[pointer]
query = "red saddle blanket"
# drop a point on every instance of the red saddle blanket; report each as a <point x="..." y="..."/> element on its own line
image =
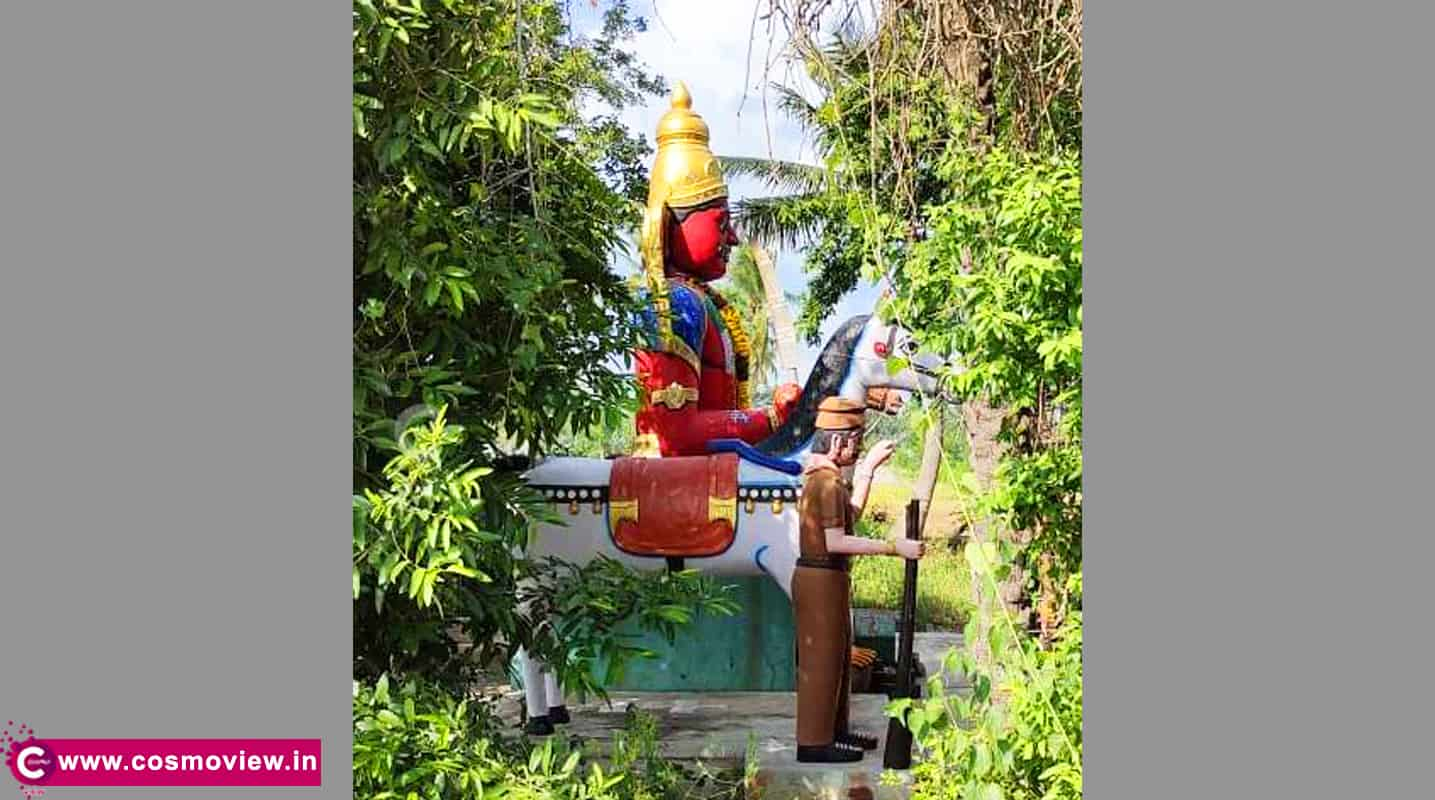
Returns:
<point x="676" y="506"/>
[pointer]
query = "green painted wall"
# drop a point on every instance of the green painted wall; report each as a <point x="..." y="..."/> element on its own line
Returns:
<point x="750" y="651"/>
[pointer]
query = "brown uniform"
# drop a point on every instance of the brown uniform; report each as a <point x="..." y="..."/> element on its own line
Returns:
<point x="821" y="599"/>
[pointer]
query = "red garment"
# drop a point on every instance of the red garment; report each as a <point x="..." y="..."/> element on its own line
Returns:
<point x="674" y="506"/>
<point x="689" y="394"/>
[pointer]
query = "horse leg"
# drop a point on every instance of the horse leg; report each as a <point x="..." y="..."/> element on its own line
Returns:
<point x="557" y="714"/>
<point x="535" y="695"/>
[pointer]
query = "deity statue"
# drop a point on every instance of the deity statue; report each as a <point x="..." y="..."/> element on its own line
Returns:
<point x="693" y="372"/>
<point x="733" y="512"/>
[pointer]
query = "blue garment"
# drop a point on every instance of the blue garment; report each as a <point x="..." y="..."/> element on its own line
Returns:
<point x="689" y="316"/>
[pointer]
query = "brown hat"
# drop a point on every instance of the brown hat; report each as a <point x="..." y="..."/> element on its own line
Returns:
<point x="839" y="414"/>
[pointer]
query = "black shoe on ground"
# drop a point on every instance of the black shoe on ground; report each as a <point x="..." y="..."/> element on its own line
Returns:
<point x="558" y="715"/>
<point x="538" y="726"/>
<point x="828" y="754"/>
<point x="855" y="739"/>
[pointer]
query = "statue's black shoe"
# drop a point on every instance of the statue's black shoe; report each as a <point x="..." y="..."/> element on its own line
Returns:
<point x="538" y="726"/>
<point x="855" y="739"/>
<point x="828" y="754"/>
<point x="558" y="715"/>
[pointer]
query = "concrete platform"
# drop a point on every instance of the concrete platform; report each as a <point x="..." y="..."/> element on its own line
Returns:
<point x="726" y="729"/>
<point x="754" y="731"/>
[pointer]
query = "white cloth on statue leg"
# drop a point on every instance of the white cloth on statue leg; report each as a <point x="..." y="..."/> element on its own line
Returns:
<point x="533" y="688"/>
<point x="550" y="684"/>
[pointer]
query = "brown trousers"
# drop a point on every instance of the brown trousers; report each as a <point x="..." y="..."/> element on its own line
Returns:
<point x="822" y="602"/>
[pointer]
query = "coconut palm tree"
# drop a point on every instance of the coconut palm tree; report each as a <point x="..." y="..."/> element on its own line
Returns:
<point x="790" y="218"/>
<point x="795" y="214"/>
<point x="760" y="301"/>
<point x="808" y="203"/>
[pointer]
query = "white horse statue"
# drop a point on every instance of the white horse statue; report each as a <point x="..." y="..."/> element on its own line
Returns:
<point x="764" y="529"/>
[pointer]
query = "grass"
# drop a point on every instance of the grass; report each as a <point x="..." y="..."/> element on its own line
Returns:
<point x="943" y="594"/>
<point x="943" y="581"/>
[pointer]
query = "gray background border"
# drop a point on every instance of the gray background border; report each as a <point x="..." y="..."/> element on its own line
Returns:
<point x="174" y="318"/>
<point x="175" y="235"/>
<point x="1257" y="370"/>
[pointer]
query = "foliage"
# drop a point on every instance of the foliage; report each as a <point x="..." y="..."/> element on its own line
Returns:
<point x="439" y="539"/>
<point x="485" y="209"/>
<point x="1025" y="747"/>
<point x="424" y="520"/>
<point x="1032" y="49"/>
<point x="637" y="752"/>
<point x="998" y="280"/>
<point x="573" y="615"/>
<point x="612" y="436"/>
<point x="943" y="591"/>
<point x="419" y="741"/>
<point x="951" y="130"/>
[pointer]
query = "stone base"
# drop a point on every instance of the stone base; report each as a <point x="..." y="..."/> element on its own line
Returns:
<point x="720" y="729"/>
<point x="862" y="781"/>
<point x="725" y="729"/>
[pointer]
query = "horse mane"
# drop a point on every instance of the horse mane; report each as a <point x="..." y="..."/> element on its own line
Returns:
<point x="826" y="380"/>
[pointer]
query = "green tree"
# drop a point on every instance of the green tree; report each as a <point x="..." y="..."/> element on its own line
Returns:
<point x="955" y="152"/>
<point x="486" y="316"/>
<point x="485" y="207"/>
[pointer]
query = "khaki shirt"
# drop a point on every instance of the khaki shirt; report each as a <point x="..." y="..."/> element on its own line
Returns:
<point x="826" y="503"/>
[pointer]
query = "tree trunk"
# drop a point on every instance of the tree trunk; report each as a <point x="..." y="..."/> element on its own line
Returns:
<point x="926" y="484"/>
<point x="982" y="423"/>
<point x="780" y="314"/>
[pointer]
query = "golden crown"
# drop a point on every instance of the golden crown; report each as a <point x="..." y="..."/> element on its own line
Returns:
<point x="685" y="174"/>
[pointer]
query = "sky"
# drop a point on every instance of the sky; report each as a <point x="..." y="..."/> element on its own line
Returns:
<point x="706" y="45"/>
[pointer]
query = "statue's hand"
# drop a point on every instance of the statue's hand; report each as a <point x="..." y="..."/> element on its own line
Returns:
<point x="785" y="399"/>
<point x="876" y="457"/>
<point x="910" y="548"/>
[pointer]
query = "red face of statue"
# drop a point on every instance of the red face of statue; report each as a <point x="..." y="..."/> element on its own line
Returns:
<point x="699" y="244"/>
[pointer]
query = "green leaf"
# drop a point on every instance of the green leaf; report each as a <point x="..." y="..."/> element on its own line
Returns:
<point x="981" y="759"/>
<point x="474" y="474"/>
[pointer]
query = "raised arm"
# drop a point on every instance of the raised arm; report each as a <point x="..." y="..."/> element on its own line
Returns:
<point x="866" y="470"/>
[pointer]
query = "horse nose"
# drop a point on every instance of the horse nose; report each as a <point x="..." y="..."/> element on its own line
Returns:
<point x="928" y="385"/>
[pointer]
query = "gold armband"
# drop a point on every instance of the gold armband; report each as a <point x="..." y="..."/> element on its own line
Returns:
<point x="675" y="396"/>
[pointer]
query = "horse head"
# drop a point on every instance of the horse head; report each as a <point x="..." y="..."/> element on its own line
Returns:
<point x="881" y="345"/>
<point x="858" y="356"/>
